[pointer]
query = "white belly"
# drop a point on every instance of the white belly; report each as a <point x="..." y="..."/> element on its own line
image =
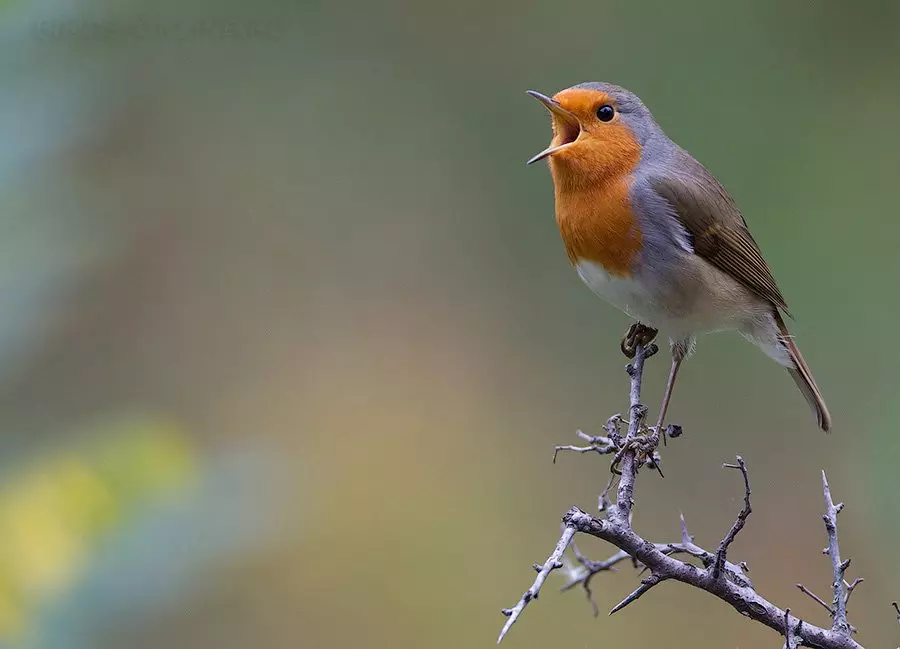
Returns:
<point x="701" y="300"/>
<point x="719" y="303"/>
<point x="624" y="293"/>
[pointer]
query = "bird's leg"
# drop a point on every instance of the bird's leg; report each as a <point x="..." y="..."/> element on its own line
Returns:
<point x="680" y="349"/>
<point x="638" y="334"/>
<point x="673" y="372"/>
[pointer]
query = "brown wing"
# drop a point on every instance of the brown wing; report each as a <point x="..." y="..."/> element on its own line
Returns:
<point x="718" y="231"/>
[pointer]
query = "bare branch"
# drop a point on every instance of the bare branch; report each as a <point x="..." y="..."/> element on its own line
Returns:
<point x="791" y="641"/>
<point x="585" y="578"/>
<point x="738" y="524"/>
<point x="739" y="595"/>
<point x="816" y="598"/>
<point x="597" y="444"/>
<point x="593" y="567"/>
<point x="553" y="562"/>
<point x="646" y="584"/>
<point x="685" y="536"/>
<point x="717" y="576"/>
<point x="852" y="587"/>
<point x="839" y="603"/>
<point x="589" y="594"/>
<point x="735" y="572"/>
<point x="574" y="449"/>
<point x="603" y="501"/>
<point x="621" y="513"/>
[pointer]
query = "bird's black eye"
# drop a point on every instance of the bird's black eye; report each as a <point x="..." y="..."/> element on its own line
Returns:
<point x="605" y="113"/>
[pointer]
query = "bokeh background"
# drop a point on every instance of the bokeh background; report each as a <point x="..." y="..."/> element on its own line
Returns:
<point x="287" y="332"/>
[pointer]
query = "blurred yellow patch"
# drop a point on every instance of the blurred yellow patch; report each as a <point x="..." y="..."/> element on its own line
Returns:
<point x="54" y="512"/>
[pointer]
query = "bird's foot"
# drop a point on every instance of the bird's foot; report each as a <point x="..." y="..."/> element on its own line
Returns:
<point x="644" y="445"/>
<point x="637" y="334"/>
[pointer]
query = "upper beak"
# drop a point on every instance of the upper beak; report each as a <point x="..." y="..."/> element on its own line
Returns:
<point x="555" y="109"/>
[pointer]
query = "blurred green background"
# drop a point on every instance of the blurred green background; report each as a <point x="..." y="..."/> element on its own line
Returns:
<point x="287" y="331"/>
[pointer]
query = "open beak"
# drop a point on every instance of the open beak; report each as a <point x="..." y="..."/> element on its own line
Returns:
<point x="568" y="126"/>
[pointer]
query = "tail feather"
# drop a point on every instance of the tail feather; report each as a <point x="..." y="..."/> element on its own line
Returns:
<point x="803" y="377"/>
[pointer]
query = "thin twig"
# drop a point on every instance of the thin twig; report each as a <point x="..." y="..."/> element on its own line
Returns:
<point x="851" y="587"/>
<point x="735" y="572"/>
<point x="574" y="449"/>
<point x="589" y="594"/>
<point x="646" y="584"/>
<point x="553" y="562"/>
<point x="591" y="569"/>
<point x="738" y="524"/>
<point x="816" y="598"/>
<point x="839" y="603"/>
<point x="597" y="444"/>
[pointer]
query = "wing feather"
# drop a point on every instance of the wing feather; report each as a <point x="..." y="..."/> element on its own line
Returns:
<point x="718" y="231"/>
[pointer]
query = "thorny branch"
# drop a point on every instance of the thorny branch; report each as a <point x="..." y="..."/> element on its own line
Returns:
<point x="553" y="562"/>
<point x="839" y="603"/>
<point x="715" y="574"/>
<point x="738" y="525"/>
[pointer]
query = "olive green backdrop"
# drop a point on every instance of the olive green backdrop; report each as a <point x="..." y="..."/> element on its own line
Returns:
<point x="287" y="332"/>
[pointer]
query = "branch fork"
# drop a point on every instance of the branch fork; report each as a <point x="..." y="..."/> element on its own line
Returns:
<point x="715" y="574"/>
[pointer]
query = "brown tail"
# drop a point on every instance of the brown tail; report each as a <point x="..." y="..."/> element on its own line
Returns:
<point x="804" y="378"/>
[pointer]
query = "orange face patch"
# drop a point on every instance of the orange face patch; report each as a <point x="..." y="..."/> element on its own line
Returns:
<point x="592" y="179"/>
<point x="602" y="149"/>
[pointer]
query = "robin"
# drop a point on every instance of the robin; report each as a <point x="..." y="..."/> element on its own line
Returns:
<point x="650" y="230"/>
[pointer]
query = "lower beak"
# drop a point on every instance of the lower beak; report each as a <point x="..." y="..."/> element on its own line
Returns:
<point x="561" y="113"/>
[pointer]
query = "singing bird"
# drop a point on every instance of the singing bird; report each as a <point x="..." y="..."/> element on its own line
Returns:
<point x="650" y="230"/>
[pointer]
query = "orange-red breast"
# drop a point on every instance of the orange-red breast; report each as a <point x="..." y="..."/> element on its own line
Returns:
<point x="649" y="229"/>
